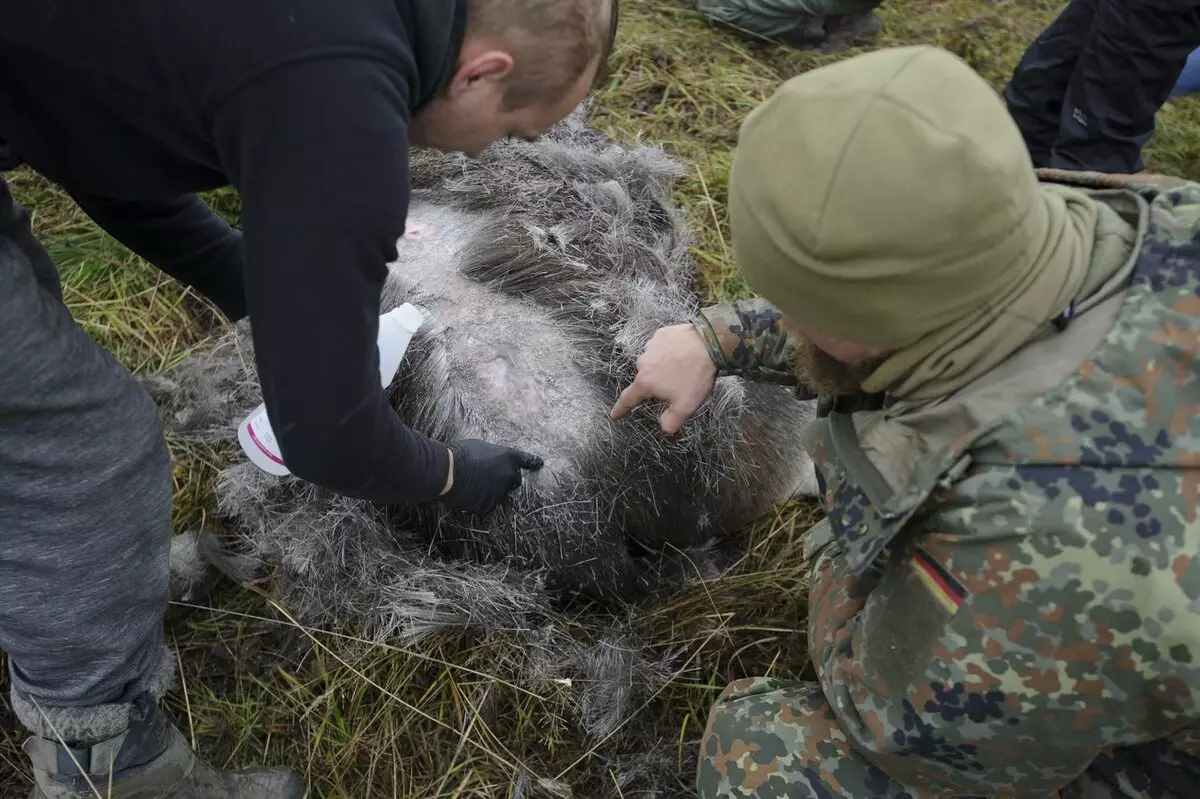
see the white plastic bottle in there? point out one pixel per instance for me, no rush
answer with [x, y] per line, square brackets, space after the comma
[396, 329]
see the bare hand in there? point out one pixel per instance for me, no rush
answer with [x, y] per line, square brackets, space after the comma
[675, 367]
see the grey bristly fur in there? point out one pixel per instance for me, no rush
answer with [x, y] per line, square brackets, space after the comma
[546, 267]
[189, 567]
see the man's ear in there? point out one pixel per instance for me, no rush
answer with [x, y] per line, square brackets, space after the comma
[488, 65]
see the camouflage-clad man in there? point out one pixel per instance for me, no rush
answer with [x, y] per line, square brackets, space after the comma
[1006, 591]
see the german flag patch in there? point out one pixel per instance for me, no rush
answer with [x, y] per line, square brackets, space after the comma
[948, 591]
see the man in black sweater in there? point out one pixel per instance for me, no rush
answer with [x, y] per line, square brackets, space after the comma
[308, 108]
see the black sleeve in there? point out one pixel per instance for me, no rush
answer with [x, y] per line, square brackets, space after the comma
[181, 236]
[319, 153]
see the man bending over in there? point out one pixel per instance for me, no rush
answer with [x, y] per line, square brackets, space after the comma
[308, 108]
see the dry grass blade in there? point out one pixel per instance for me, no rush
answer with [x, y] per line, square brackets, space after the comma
[506, 761]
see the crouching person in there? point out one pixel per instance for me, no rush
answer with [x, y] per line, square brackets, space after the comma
[1005, 590]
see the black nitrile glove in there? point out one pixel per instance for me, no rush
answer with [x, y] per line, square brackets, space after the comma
[485, 474]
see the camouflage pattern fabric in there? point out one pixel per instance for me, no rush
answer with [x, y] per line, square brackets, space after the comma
[749, 338]
[1022, 618]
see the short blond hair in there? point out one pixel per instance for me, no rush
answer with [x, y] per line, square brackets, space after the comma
[553, 42]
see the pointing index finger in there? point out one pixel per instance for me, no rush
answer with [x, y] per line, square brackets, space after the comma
[630, 398]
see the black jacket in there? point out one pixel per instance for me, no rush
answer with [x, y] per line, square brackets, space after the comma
[132, 106]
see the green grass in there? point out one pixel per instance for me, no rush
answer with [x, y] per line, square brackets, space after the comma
[444, 720]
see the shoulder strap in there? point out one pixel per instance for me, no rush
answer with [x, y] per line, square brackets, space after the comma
[848, 449]
[867, 513]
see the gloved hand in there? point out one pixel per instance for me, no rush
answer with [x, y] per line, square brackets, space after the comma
[484, 474]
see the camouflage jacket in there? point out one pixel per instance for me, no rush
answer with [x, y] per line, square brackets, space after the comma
[1023, 557]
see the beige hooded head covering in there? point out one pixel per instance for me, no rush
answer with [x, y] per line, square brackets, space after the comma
[889, 200]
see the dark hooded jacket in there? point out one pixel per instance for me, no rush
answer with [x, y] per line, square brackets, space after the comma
[133, 106]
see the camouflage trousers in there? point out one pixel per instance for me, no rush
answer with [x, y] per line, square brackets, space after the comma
[779, 739]
[782, 18]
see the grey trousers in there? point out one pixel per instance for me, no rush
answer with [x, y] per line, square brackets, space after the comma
[85, 510]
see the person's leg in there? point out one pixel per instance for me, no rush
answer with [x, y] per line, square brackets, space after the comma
[1189, 80]
[1124, 74]
[797, 22]
[15, 226]
[769, 739]
[85, 508]
[850, 28]
[1038, 85]
[85, 531]
[773, 738]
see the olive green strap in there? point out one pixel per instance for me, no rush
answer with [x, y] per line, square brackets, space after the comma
[862, 472]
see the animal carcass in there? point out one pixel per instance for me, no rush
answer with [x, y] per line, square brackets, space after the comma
[546, 267]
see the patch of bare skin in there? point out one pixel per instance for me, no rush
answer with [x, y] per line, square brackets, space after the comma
[509, 353]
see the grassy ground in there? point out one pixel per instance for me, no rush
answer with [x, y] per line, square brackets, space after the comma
[439, 722]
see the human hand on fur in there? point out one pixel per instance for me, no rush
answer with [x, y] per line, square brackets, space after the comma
[484, 474]
[675, 367]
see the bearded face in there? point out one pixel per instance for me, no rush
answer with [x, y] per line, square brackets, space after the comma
[828, 376]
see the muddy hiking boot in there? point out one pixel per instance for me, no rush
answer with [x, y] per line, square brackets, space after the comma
[150, 760]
